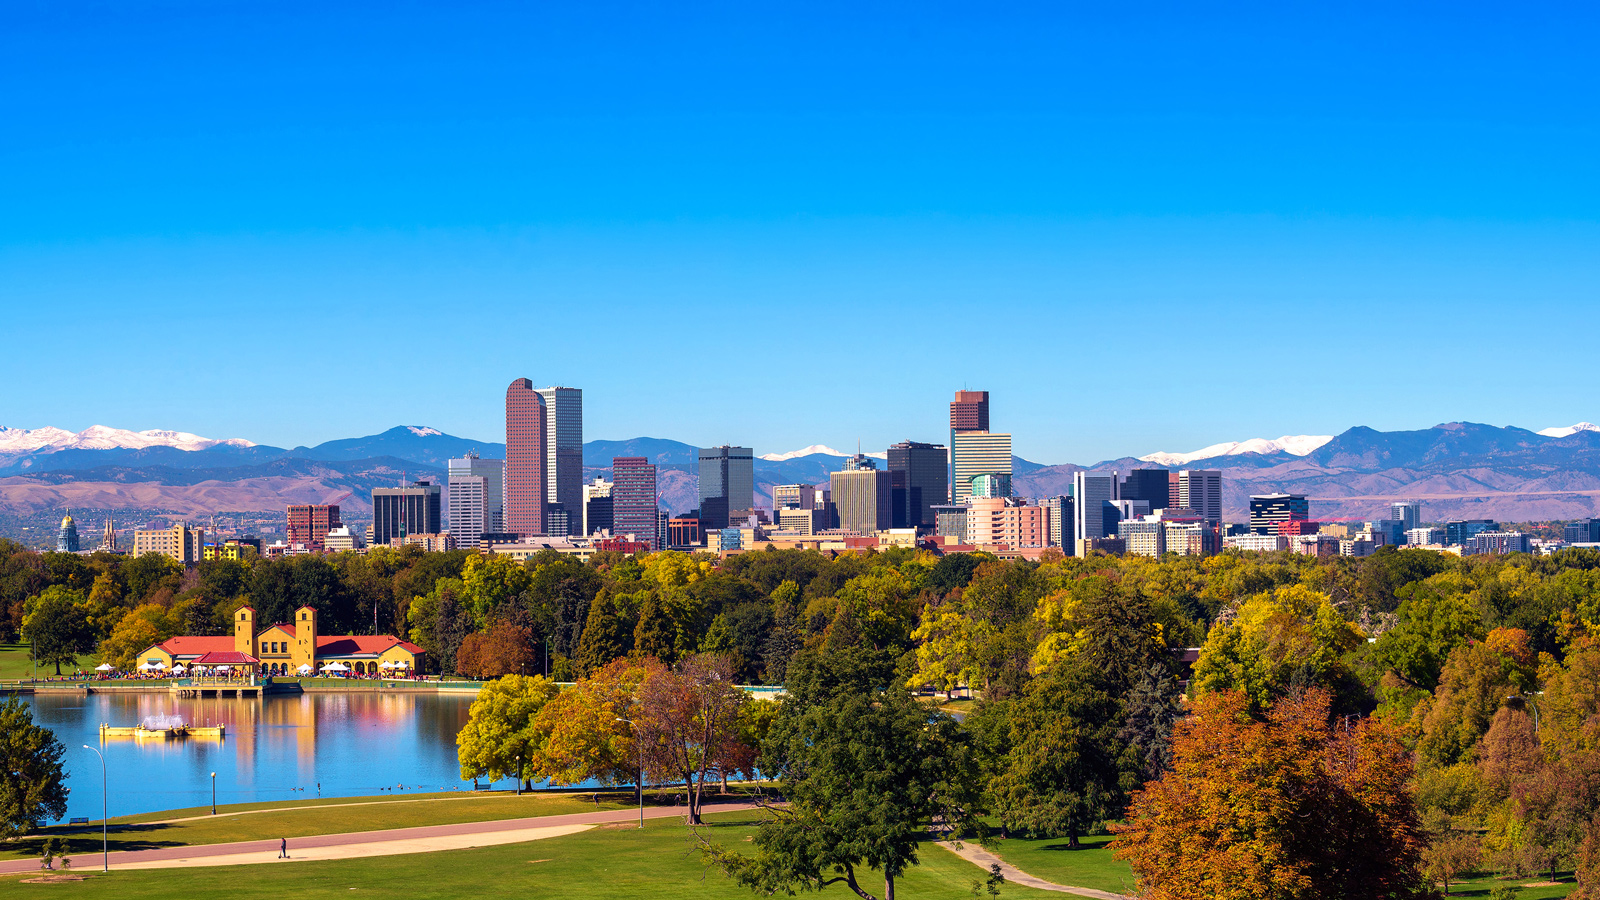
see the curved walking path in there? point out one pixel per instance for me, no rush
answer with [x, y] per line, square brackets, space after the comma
[983, 859]
[420, 839]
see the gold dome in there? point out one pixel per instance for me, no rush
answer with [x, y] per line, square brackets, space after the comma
[66, 520]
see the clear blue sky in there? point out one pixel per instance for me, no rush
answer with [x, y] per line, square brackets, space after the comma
[1139, 226]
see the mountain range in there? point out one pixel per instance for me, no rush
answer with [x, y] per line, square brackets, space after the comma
[1458, 469]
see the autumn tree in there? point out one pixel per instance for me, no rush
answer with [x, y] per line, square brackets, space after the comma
[1287, 639]
[57, 626]
[687, 718]
[583, 732]
[1476, 680]
[506, 649]
[1287, 805]
[134, 633]
[499, 738]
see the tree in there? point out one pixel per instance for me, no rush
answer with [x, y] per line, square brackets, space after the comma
[1287, 639]
[864, 771]
[1431, 626]
[499, 738]
[57, 627]
[136, 632]
[1066, 771]
[1286, 806]
[1476, 680]
[506, 649]
[607, 635]
[1152, 708]
[688, 721]
[1452, 854]
[32, 781]
[582, 730]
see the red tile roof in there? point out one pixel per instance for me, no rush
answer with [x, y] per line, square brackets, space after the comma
[226, 658]
[196, 645]
[361, 644]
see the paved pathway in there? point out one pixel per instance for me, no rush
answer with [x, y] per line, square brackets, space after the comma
[421, 839]
[983, 859]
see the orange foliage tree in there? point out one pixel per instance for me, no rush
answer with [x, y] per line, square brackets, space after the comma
[1285, 806]
[506, 649]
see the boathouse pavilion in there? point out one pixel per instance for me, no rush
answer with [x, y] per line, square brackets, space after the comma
[284, 647]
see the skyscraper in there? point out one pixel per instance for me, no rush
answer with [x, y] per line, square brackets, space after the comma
[1407, 512]
[727, 483]
[1201, 491]
[563, 413]
[863, 499]
[1092, 498]
[1150, 485]
[927, 479]
[527, 460]
[397, 512]
[1268, 511]
[477, 499]
[969, 411]
[978, 453]
[633, 498]
[310, 524]
[596, 506]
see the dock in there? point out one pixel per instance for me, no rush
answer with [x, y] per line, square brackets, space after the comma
[178, 732]
[217, 687]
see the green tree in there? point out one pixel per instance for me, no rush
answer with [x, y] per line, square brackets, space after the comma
[499, 738]
[57, 626]
[32, 780]
[1289, 639]
[1431, 626]
[608, 634]
[1152, 707]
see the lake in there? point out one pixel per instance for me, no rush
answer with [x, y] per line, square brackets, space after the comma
[277, 748]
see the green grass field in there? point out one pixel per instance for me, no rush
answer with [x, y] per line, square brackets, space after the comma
[1090, 866]
[1480, 887]
[15, 664]
[661, 862]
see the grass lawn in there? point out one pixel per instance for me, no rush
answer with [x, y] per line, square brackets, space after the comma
[661, 862]
[1090, 866]
[15, 664]
[329, 816]
[1480, 887]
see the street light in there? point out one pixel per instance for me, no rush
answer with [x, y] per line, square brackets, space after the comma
[105, 786]
[640, 745]
[213, 793]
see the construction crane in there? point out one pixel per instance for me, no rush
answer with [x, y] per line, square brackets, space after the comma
[334, 501]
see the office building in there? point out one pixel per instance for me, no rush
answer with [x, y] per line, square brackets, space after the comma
[67, 537]
[309, 526]
[527, 460]
[661, 527]
[563, 417]
[1425, 537]
[1408, 513]
[597, 506]
[1496, 542]
[793, 496]
[978, 453]
[862, 499]
[1059, 511]
[927, 479]
[398, 512]
[1325, 545]
[1145, 536]
[1457, 533]
[991, 486]
[1261, 543]
[1585, 531]
[1201, 491]
[633, 499]
[950, 520]
[1387, 532]
[1192, 538]
[342, 539]
[1092, 499]
[180, 542]
[477, 499]
[1149, 485]
[683, 532]
[969, 412]
[727, 483]
[993, 521]
[802, 520]
[1268, 510]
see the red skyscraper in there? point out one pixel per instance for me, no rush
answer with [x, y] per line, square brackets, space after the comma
[310, 525]
[633, 499]
[526, 459]
[970, 411]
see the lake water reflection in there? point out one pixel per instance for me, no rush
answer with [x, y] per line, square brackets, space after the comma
[278, 748]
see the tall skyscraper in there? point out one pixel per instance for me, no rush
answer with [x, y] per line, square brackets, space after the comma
[863, 499]
[1093, 511]
[927, 479]
[633, 499]
[477, 499]
[1150, 485]
[969, 411]
[527, 460]
[310, 524]
[1407, 512]
[398, 512]
[563, 415]
[1201, 491]
[727, 483]
[1268, 511]
[978, 453]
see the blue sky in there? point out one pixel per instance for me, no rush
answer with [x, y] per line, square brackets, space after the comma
[1140, 226]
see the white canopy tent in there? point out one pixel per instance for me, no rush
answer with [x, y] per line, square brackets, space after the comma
[103, 667]
[304, 670]
[336, 667]
[148, 667]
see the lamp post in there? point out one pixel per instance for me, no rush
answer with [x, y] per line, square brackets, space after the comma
[105, 787]
[213, 793]
[640, 745]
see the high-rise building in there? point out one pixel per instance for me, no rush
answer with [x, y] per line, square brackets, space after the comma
[1267, 511]
[978, 453]
[1458, 532]
[633, 499]
[1583, 531]
[477, 499]
[398, 512]
[563, 416]
[863, 499]
[1201, 491]
[1424, 536]
[997, 520]
[969, 411]
[1144, 537]
[1093, 511]
[309, 525]
[527, 460]
[990, 485]
[1060, 511]
[927, 479]
[1149, 485]
[793, 496]
[596, 506]
[67, 538]
[180, 543]
[1497, 542]
[727, 483]
[1407, 512]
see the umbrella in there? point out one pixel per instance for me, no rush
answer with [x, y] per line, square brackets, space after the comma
[103, 667]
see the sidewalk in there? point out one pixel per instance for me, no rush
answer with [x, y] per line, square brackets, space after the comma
[983, 859]
[421, 839]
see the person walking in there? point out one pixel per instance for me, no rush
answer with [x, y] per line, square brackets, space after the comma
[283, 848]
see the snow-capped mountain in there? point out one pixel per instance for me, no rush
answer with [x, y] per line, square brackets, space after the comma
[1569, 431]
[100, 437]
[813, 450]
[1293, 444]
